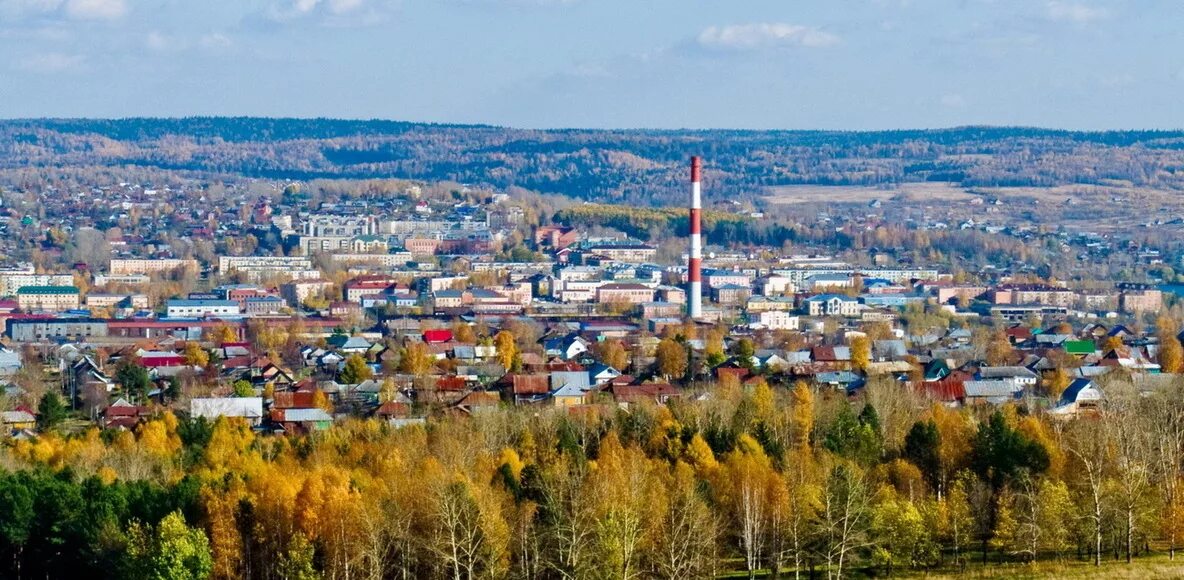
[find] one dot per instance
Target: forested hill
(633, 166)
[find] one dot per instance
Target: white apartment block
(10, 284)
(130, 266)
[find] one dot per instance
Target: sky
(760, 64)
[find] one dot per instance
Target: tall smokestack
(694, 276)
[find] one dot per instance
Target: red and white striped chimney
(694, 264)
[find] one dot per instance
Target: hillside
(630, 166)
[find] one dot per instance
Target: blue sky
(795, 64)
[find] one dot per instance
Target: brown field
(915, 192)
(1116, 195)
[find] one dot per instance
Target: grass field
(1145, 568)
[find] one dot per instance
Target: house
(247, 408)
(570, 395)
(525, 388)
(1079, 348)
(301, 420)
(566, 347)
(993, 392)
(1020, 375)
(123, 415)
(477, 402)
(437, 336)
(600, 374)
(1080, 396)
(626, 395)
(17, 420)
(349, 344)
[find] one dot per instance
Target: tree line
(747, 479)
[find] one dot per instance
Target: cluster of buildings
(378, 278)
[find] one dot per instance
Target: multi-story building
(96, 300)
(624, 294)
(331, 233)
(773, 320)
(130, 279)
(258, 268)
(831, 305)
(10, 284)
(201, 308)
(260, 305)
(1137, 298)
(620, 252)
(48, 298)
(129, 266)
(297, 291)
(389, 260)
(1032, 294)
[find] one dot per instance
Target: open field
(1145, 568)
(1142, 568)
(918, 192)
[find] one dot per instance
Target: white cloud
(765, 35)
(329, 11)
(1062, 11)
(95, 9)
(953, 101)
(66, 9)
(215, 41)
(51, 62)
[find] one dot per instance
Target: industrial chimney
(694, 277)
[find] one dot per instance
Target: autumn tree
(355, 370)
(861, 352)
(614, 354)
(195, 355)
(507, 349)
(671, 359)
(1171, 353)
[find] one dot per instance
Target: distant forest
(640, 167)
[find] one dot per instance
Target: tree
(902, 539)
(999, 349)
(744, 351)
(843, 518)
(223, 334)
(463, 332)
(134, 378)
(1000, 455)
(416, 359)
(507, 349)
(747, 477)
(671, 359)
(243, 388)
(922, 447)
(1057, 384)
(195, 355)
(296, 563)
(861, 352)
(1171, 353)
(355, 370)
(170, 551)
(51, 411)
(685, 542)
(802, 415)
(614, 354)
